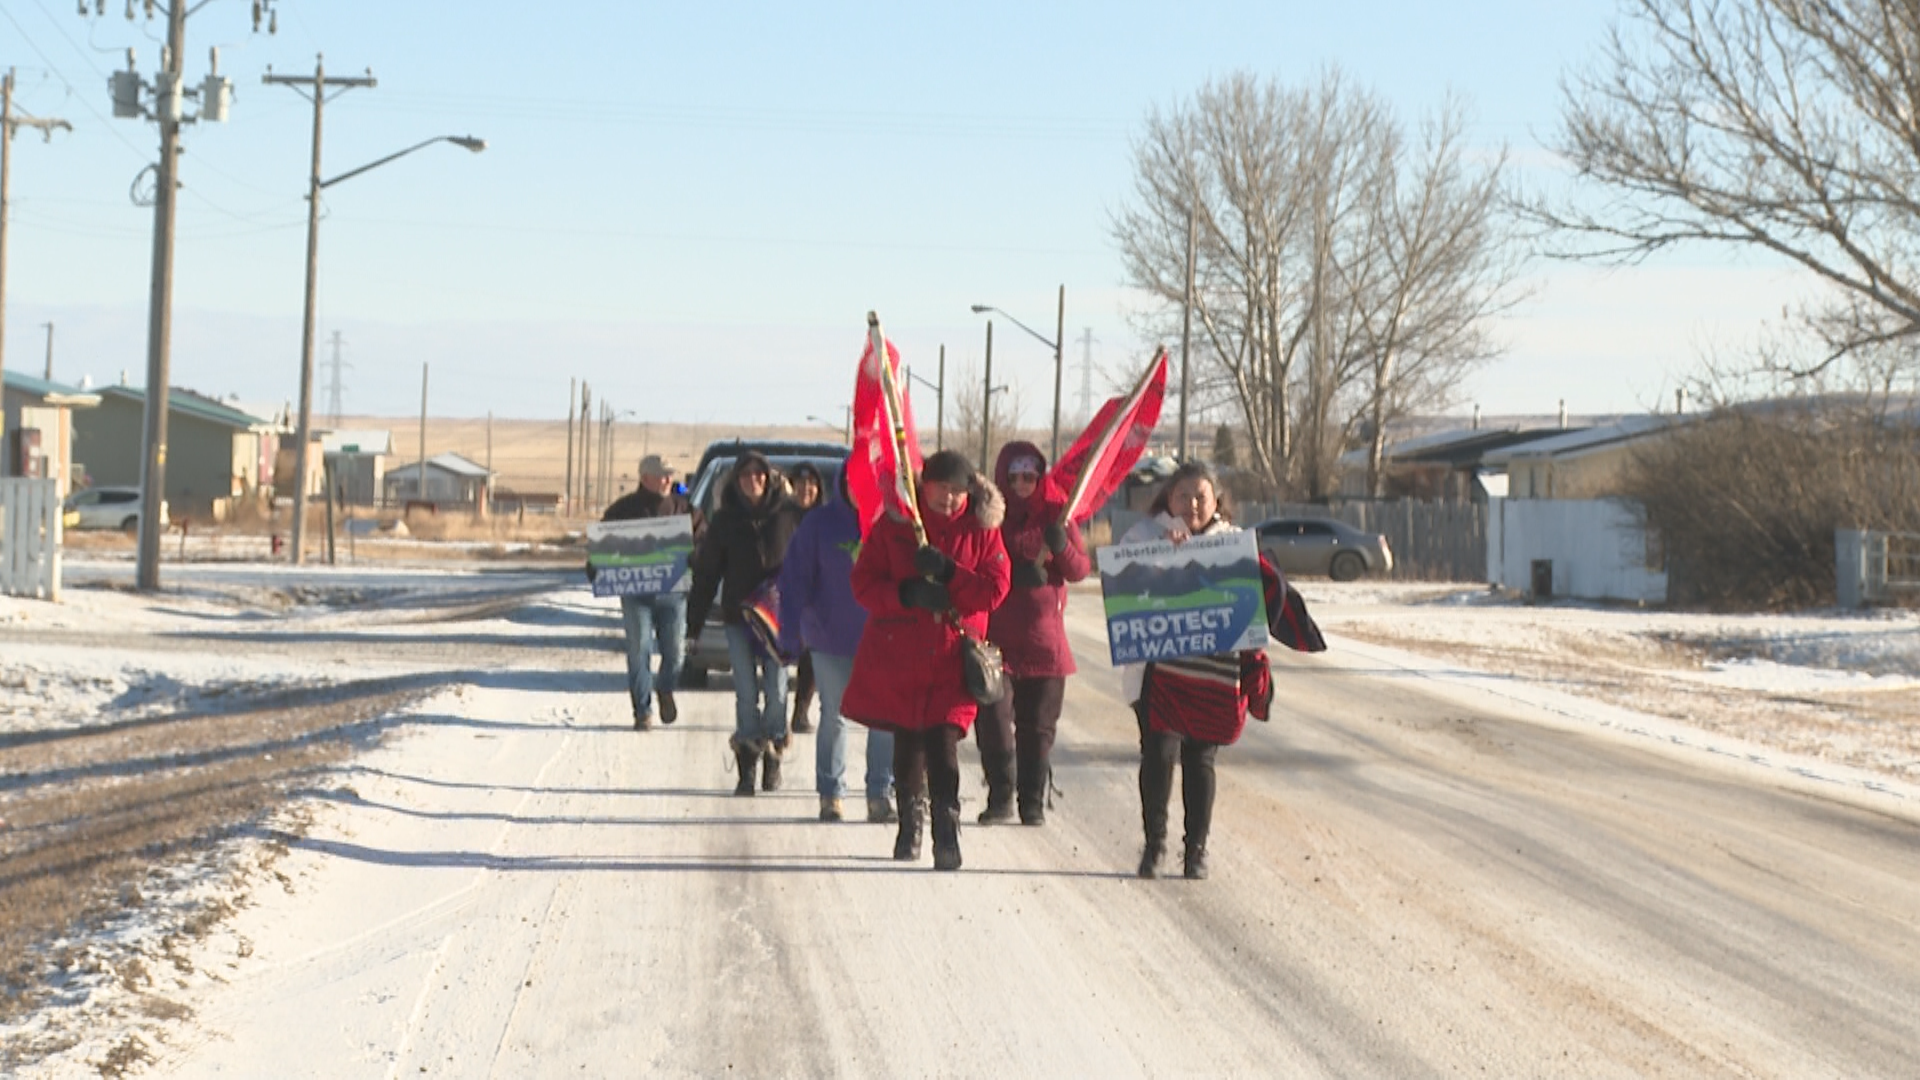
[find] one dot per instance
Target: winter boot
(669, 712)
(880, 811)
(1150, 857)
(999, 790)
(641, 721)
(906, 842)
(1035, 778)
(770, 764)
(746, 756)
(802, 721)
(946, 838)
(1197, 862)
(831, 809)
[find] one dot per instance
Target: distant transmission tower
(334, 385)
(1086, 375)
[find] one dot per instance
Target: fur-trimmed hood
(983, 498)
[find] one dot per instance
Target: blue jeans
(832, 673)
(759, 689)
(645, 617)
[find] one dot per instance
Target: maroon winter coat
(1029, 626)
(906, 675)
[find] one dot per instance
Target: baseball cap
(655, 465)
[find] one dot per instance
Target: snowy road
(1410, 879)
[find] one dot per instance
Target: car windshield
(706, 492)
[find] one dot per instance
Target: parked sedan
(1323, 546)
(106, 508)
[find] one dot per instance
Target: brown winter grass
(91, 814)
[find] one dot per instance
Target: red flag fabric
(873, 475)
(1093, 467)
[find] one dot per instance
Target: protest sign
(1193, 599)
(647, 557)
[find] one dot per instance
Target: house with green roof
(36, 428)
(217, 455)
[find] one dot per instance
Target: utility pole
(939, 407)
(167, 94)
(1086, 375)
(420, 491)
(986, 404)
(1059, 341)
(566, 493)
(314, 90)
(10, 122)
(49, 375)
(1186, 341)
(334, 386)
(586, 458)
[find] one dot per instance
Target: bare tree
(965, 402)
(1338, 277)
(1789, 126)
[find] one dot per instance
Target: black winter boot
(1035, 778)
(1150, 857)
(770, 765)
(946, 838)
(906, 842)
(999, 790)
(745, 756)
(1197, 862)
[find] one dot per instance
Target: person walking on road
(653, 623)
(808, 491)
(1046, 554)
(1190, 707)
(907, 676)
(742, 549)
(818, 613)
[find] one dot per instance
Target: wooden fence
(30, 538)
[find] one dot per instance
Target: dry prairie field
(531, 455)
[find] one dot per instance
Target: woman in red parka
(906, 674)
(1046, 554)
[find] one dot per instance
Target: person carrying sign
(1046, 554)
(921, 598)
(658, 619)
(1188, 708)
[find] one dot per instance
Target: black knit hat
(947, 467)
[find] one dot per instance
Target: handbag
(982, 669)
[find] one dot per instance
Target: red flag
(1093, 467)
(874, 478)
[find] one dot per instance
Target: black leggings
(1158, 752)
(928, 763)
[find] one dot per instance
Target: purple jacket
(817, 608)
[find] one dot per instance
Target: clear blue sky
(692, 206)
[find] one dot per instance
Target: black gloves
(1056, 537)
(921, 593)
(591, 571)
(931, 562)
(1028, 575)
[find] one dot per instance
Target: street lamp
(303, 433)
(846, 430)
(1060, 335)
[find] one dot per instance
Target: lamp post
(846, 429)
(1059, 336)
(303, 433)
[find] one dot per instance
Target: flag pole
(897, 427)
(1120, 415)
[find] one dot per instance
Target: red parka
(1029, 626)
(906, 675)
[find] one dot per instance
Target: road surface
(1406, 882)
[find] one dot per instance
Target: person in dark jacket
(922, 599)
(1046, 554)
(818, 613)
(808, 491)
(741, 550)
(658, 619)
